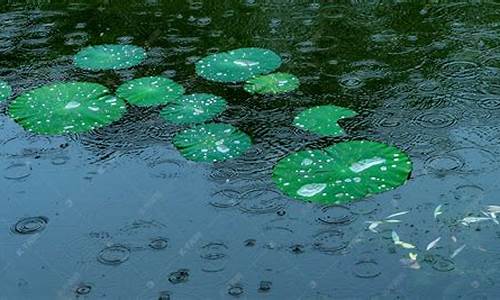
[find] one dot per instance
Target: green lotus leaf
(72, 107)
(192, 109)
(212, 142)
(343, 172)
(276, 83)
(5, 90)
(150, 91)
(237, 65)
(323, 119)
(109, 57)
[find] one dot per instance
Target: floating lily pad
(212, 142)
(237, 65)
(150, 91)
(109, 57)
(5, 90)
(66, 108)
(276, 83)
(342, 172)
(195, 108)
(323, 119)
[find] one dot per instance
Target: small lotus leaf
(109, 57)
(212, 142)
(323, 119)
(237, 65)
(150, 91)
(192, 109)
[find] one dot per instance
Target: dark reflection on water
(118, 213)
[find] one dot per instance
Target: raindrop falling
(235, 290)
(179, 276)
(265, 286)
(164, 295)
(83, 289)
(158, 243)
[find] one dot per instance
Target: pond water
(118, 213)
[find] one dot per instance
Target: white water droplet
(198, 111)
(306, 162)
(364, 164)
(72, 104)
(222, 148)
(311, 189)
(245, 63)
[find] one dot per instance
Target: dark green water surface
(120, 214)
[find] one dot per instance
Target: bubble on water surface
(265, 286)
(179, 276)
(30, 225)
(158, 243)
(114, 255)
(235, 290)
(83, 289)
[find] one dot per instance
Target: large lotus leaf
(109, 57)
(342, 172)
(71, 107)
(5, 90)
(276, 83)
(237, 65)
(192, 109)
(150, 91)
(212, 142)
(323, 119)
